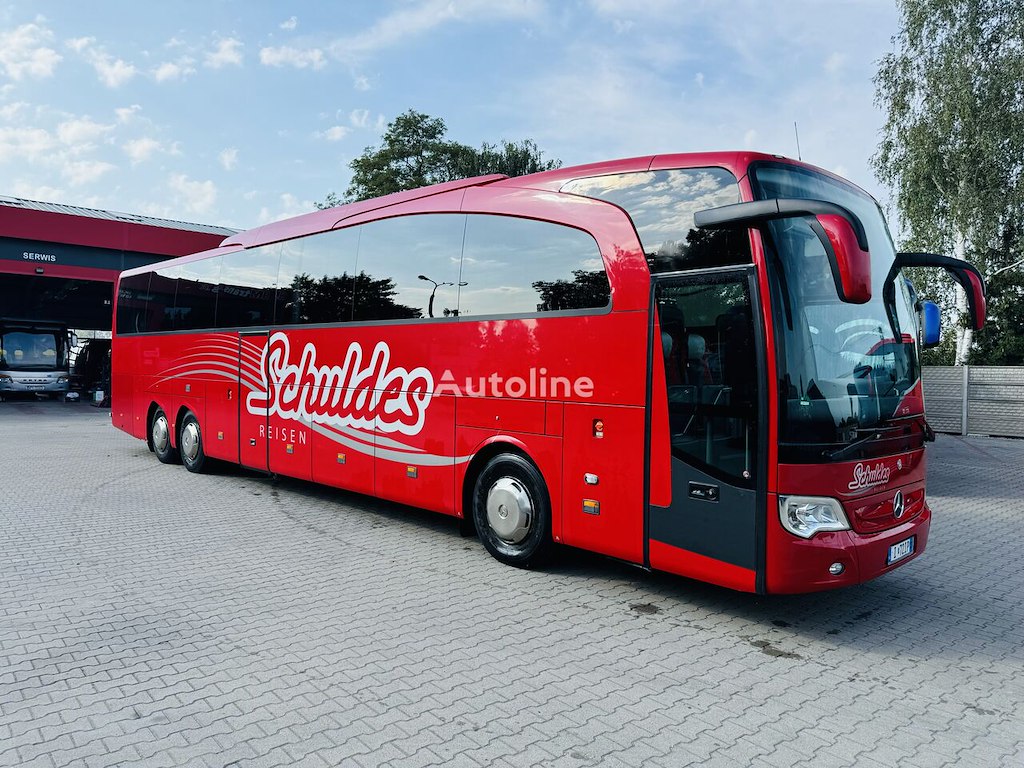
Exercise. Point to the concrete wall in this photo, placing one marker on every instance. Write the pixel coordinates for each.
(974, 399)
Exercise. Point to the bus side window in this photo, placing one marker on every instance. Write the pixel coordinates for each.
(408, 267)
(245, 296)
(661, 205)
(523, 266)
(316, 282)
(196, 300)
(132, 298)
(163, 285)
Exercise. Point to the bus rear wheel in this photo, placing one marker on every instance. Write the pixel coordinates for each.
(512, 511)
(160, 436)
(190, 440)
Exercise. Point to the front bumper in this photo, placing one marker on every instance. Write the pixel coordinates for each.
(44, 387)
(801, 565)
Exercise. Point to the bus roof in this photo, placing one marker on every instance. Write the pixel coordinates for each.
(330, 218)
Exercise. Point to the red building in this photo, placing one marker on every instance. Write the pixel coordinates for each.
(59, 262)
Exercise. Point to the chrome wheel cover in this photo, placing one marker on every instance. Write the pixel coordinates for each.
(161, 434)
(509, 510)
(190, 441)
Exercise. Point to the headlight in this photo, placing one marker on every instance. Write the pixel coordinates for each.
(5, 379)
(62, 379)
(808, 515)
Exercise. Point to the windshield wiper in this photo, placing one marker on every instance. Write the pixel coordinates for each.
(844, 451)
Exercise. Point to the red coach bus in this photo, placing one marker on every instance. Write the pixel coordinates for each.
(701, 364)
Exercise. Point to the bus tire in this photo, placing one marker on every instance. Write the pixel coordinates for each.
(512, 511)
(160, 436)
(190, 443)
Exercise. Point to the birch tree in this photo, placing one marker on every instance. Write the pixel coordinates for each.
(953, 142)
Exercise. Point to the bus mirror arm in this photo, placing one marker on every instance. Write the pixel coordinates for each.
(841, 233)
(965, 274)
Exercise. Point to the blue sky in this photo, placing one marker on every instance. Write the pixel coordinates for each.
(239, 113)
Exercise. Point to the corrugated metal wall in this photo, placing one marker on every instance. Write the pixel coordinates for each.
(973, 399)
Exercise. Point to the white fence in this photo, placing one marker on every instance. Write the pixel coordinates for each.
(974, 399)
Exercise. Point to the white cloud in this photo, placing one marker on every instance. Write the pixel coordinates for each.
(10, 111)
(79, 44)
(197, 197)
(335, 133)
(360, 118)
(290, 24)
(174, 70)
(24, 52)
(227, 53)
(834, 63)
(140, 150)
(414, 21)
(31, 191)
(21, 143)
(125, 114)
(289, 206)
(750, 139)
(81, 133)
(80, 172)
(286, 56)
(699, 79)
(228, 158)
(113, 72)
(361, 82)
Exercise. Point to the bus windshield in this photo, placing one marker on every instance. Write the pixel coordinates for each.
(844, 369)
(26, 350)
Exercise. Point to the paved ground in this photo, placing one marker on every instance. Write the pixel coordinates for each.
(153, 617)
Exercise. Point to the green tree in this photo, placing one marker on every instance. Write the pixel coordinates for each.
(414, 152)
(953, 141)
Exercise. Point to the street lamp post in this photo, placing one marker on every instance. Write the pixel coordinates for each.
(430, 304)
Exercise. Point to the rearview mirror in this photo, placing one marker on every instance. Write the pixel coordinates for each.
(964, 273)
(841, 234)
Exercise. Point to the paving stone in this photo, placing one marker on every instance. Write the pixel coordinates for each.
(153, 617)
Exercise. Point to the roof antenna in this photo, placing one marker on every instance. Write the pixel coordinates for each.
(797, 132)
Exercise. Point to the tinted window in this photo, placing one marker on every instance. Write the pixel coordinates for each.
(315, 282)
(163, 284)
(513, 265)
(131, 304)
(408, 267)
(247, 280)
(196, 299)
(287, 310)
(662, 204)
(707, 343)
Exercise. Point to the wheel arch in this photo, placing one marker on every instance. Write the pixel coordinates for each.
(154, 406)
(488, 450)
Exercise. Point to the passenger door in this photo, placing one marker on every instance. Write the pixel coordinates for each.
(710, 346)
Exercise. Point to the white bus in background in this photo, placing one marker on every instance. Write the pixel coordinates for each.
(34, 357)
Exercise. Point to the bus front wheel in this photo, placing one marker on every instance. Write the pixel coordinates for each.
(191, 442)
(160, 436)
(512, 511)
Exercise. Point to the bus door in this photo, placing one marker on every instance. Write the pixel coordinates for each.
(253, 401)
(709, 343)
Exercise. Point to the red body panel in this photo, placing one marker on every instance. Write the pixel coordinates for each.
(665, 557)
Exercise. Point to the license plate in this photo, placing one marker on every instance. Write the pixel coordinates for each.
(900, 550)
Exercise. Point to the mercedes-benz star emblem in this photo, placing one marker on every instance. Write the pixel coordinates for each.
(897, 505)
